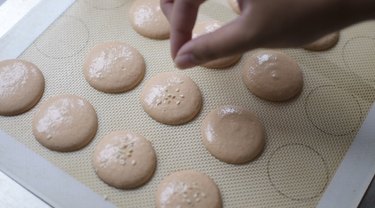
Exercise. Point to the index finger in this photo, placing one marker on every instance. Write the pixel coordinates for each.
(182, 19)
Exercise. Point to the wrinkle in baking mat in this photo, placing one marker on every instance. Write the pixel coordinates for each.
(306, 138)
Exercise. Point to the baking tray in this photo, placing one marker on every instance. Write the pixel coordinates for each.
(306, 137)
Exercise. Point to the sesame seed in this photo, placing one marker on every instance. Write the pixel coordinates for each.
(197, 199)
(133, 162)
(178, 102)
(182, 96)
(49, 137)
(177, 90)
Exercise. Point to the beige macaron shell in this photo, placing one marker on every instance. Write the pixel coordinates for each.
(272, 76)
(21, 86)
(188, 189)
(171, 98)
(235, 6)
(147, 19)
(124, 160)
(324, 43)
(114, 67)
(208, 26)
(233, 134)
(65, 123)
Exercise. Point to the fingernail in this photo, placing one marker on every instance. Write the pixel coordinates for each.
(185, 61)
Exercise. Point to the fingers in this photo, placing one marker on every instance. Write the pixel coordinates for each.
(233, 38)
(181, 14)
(166, 6)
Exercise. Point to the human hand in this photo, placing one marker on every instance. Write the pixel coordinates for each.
(262, 23)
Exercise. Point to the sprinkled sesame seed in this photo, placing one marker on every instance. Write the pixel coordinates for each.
(177, 90)
(178, 102)
(182, 96)
(133, 162)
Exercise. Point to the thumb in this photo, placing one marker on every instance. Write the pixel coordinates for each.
(230, 39)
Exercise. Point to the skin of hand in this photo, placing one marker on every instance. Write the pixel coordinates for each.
(262, 23)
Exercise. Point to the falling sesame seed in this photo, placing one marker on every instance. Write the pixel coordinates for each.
(105, 197)
(124, 146)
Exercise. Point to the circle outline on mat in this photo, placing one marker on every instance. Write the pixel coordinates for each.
(114, 79)
(40, 50)
(346, 61)
(63, 125)
(116, 158)
(324, 162)
(33, 72)
(101, 8)
(319, 128)
(234, 114)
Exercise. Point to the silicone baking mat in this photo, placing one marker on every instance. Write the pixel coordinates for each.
(306, 137)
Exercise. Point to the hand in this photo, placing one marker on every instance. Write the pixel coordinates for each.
(262, 23)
